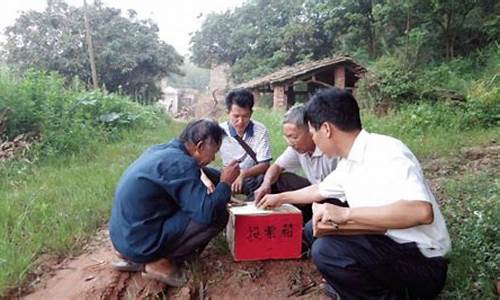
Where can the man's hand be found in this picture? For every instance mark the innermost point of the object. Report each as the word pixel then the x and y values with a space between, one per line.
pixel 230 172
pixel 207 182
pixel 330 213
pixel 237 186
pixel 270 200
pixel 261 192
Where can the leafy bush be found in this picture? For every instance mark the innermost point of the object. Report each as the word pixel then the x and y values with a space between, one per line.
pixel 483 102
pixel 387 82
pixel 393 82
pixel 65 118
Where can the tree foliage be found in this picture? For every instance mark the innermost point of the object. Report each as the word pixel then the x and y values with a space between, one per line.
pixel 130 57
pixel 263 35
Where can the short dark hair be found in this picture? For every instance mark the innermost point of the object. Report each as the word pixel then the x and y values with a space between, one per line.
pixel 241 97
pixel 205 130
pixel 335 106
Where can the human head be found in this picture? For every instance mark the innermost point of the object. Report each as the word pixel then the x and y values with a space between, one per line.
pixel 202 138
pixel 296 131
pixel 332 114
pixel 239 105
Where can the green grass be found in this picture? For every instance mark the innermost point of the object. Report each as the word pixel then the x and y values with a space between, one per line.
pixel 54 207
pixel 473 216
pixel 472 208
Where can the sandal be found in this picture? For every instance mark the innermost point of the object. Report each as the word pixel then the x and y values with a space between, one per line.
pixel 125 265
pixel 177 279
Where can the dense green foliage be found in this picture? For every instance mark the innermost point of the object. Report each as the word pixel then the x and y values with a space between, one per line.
pixel 129 55
pixel 65 119
pixel 263 35
pixel 471 83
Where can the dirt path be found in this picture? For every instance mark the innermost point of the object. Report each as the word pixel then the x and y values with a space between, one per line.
pixel 214 276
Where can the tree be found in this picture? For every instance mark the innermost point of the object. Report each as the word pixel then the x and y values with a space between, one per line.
pixel 256 38
pixel 129 55
pixel 264 35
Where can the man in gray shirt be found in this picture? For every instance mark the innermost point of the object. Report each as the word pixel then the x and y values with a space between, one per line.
pixel 301 154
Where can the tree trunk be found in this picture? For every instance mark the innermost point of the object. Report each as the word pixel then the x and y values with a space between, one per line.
pixel 90 48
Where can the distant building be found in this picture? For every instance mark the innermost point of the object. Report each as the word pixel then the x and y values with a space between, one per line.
pixel 170 97
pixel 303 80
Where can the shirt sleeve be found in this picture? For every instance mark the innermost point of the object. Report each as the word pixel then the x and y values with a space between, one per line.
pixel 331 186
pixel 289 160
pixel 407 180
pixel 191 195
pixel 263 149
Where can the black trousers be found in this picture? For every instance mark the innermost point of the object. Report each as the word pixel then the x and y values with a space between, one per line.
pixel 195 238
pixel 375 267
pixel 290 182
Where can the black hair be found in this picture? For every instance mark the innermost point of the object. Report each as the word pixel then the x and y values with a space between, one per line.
pixel 335 106
pixel 241 97
pixel 205 130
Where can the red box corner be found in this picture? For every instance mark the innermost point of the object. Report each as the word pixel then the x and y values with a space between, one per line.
pixel 270 235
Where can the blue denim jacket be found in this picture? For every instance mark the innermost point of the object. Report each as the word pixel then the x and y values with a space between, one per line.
pixel 156 198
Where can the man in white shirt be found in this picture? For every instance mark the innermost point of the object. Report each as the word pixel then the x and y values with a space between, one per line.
pixel 239 104
pixel 383 183
pixel 301 154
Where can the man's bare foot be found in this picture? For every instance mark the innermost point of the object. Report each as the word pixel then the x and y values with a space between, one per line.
pixel 165 271
pixel 163 266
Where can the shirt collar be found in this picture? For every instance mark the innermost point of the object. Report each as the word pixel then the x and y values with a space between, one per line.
pixel 316 152
pixel 248 131
pixel 176 143
pixel 358 147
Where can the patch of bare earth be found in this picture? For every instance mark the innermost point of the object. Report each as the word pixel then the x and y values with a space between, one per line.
pixel 214 275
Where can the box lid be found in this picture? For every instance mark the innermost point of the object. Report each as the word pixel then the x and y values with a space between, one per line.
pixel 251 210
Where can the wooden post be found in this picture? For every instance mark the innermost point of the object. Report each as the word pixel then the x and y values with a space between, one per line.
pixel 90 46
pixel 279 97
pixel 340 76
pixel 256 96
pixel 290 93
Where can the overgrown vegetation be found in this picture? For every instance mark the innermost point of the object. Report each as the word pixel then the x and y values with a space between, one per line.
pixel 65 119
pixel 473 215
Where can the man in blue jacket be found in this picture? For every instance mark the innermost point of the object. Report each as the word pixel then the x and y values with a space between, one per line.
pixel 162 212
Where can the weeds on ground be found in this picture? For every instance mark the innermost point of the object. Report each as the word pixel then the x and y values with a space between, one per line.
pixel 473 216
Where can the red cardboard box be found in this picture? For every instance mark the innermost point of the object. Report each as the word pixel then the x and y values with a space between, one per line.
pixel 256 234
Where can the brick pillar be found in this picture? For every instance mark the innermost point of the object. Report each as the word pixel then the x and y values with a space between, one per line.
pixel 340 76
pixel 279 97
pixel 256 96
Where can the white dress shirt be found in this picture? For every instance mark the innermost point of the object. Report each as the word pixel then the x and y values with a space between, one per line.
pixel 380 170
